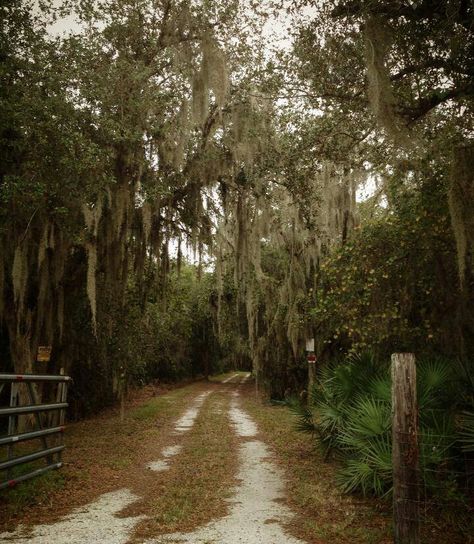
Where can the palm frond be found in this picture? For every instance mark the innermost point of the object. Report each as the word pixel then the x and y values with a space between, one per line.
pixel 369 417
pixel 433 375
pixel 304 417
pixel 466 433
pixel 381 388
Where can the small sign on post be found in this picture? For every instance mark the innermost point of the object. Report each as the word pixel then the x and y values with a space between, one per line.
pixel 311 358
pixel 44 354
pixel 310 350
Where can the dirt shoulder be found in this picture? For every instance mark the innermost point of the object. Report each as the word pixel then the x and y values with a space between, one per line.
pixel 323 514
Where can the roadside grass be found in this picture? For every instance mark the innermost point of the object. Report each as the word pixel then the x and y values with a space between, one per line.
pixel 158 405
pixel 193 491
pixel 102 454
pixel 323 514
pixel 34 491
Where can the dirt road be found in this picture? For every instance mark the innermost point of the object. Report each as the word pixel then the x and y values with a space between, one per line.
pixel 254 513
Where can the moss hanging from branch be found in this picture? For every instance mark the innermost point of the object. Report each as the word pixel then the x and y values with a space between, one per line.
pixel 2 281
pixel 175 135
pixel 380 92
pixel 121 208
pixel 44 296
pixel 182 134
pixel 147 220
pixel 20 275
pixel 212 75
pixel 215 70
pixel 91 287
pixel 43 245
pixel 337 208
pixel 461 198
pixel 92 216
pixel 60 311
pixel 265 214
pixel 200 98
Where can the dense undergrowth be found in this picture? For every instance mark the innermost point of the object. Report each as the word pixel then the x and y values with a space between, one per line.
pixel 349 414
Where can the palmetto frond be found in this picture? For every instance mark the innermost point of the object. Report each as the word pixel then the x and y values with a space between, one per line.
pixel 467 431
pixel 351 414
pixel 304 417
pixel 433 376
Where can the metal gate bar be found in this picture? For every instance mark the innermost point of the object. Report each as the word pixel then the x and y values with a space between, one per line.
pixel 52 454
pixel 30 409
pixel 28 436
pixel 30 457
pixel 33 474
pixel 33 378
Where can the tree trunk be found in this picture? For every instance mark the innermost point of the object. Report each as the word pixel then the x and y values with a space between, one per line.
pixel 22 356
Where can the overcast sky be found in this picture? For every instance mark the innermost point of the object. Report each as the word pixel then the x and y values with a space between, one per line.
pixel 275 28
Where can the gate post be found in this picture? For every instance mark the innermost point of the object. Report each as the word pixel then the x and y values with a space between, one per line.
pixel 405 450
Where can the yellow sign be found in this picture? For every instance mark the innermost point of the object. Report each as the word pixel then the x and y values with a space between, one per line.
pixel 44 353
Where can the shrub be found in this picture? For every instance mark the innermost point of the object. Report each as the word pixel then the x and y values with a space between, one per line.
pixel 350 416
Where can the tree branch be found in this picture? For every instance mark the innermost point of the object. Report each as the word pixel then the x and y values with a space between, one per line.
pixel 438 97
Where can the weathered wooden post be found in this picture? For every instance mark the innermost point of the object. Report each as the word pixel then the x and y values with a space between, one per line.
pixel 311 357
pixel 405 450
pixel 123 386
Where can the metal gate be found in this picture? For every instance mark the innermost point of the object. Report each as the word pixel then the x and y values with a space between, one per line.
pixel 48 430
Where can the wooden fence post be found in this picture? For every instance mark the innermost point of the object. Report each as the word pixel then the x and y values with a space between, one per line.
pixel 405 450
pixel 311 358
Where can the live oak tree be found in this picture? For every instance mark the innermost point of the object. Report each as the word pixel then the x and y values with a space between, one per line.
pixel 394 83
pixel 162 129
pixel 113 137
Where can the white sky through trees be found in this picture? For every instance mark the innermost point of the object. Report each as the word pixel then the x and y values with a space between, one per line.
pixel 277 36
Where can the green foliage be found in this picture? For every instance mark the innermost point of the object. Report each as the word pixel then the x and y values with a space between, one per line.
pixel 304 416
pixel 370 471
pixel 101 120
pixel 33 491
pixel 384 290
pixel 168 337
pixel 103 170
pixel 350 416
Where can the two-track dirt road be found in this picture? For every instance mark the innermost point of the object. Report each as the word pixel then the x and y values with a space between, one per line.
pixel 255 510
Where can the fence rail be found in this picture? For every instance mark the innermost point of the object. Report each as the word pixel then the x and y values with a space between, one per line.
pixel 33 378
pixel 28 436
pixel 32 408
pixel 49 429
